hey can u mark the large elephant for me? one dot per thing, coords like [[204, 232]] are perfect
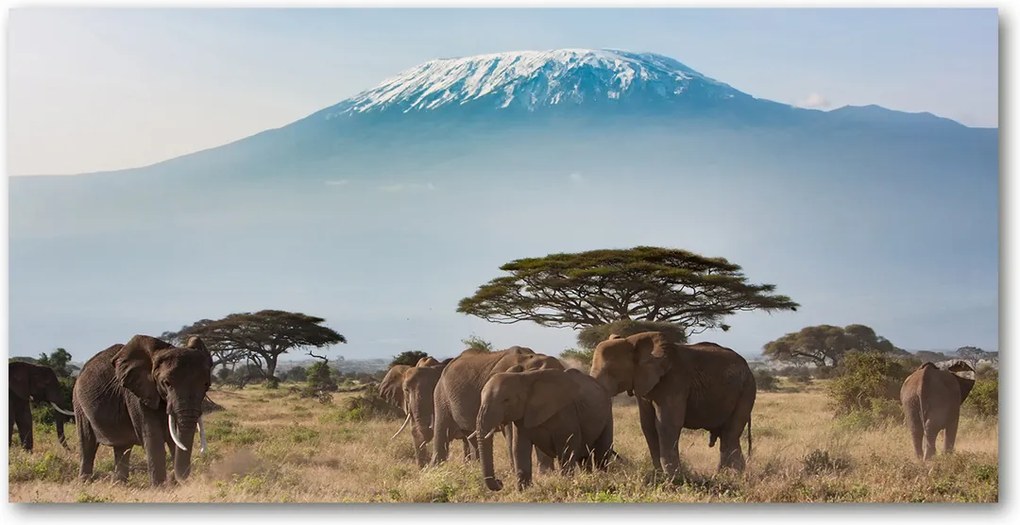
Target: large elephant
[[458, 394], [931, 400], [564, 414], [678, 386], [418, 392], [146, 392], [26, 382]]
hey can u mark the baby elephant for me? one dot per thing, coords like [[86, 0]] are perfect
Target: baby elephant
[[931, 401], [563, 413]]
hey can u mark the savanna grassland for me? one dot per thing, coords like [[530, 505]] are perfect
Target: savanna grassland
[[274, 446]]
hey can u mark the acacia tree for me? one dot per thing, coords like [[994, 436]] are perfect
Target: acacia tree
[[599, 287], [260, 337], [826, 345]]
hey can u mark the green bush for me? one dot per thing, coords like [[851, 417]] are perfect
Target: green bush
[[983, 400], [765, 381], [862, 378]]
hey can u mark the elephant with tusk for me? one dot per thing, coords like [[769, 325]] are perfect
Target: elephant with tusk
[[27, 381], [146, 392], [418, 389]]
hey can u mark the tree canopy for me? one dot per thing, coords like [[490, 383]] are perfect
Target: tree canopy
[[260, 337], [59, 360], [409, 358], [599, 287], [826, 345]]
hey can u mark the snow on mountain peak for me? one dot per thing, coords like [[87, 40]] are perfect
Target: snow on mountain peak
[[532, 79]]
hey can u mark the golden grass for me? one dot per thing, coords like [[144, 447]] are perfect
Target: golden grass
[[272, 446]]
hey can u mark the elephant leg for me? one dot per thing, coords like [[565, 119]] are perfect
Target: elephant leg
[[730, 455], [668, 423], [59, 423], [651, 432], [121, 462], [916, 434], [603, 449], [522, 459], [930, 434], [23, 418], [508, 434], [89, 446], [154, 441], [441, 437], [949, 441], [545, 462]]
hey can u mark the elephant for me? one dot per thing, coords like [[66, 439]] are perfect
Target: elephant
[[931, 400], [28, 381], [458, 394], [696, 386], [146, 392], [391, 387], [564, 414], [418, 391]]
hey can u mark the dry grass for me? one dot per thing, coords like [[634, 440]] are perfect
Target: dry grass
[[272, 446]]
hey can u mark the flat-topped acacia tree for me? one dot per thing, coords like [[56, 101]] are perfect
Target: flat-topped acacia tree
[[259, 336], [599, 287]]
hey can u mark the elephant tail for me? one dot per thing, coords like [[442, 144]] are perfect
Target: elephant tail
[[748, 437]]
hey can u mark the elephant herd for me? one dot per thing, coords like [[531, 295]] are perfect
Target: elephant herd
[[566, 416], [148, 392]]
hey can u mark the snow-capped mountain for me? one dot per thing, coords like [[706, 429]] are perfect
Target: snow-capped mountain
[[529, 80]]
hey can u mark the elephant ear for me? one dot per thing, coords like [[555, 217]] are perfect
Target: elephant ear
[[196, 343], [651, 361], [133, 368], [18, 380], [966, 385], [551, 391]]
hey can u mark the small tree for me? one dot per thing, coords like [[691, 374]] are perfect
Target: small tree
[[864, 377], [826, 345], [59, 360], [261, 337], [320, 378], [296, 374], [409, 358], [477, 343]]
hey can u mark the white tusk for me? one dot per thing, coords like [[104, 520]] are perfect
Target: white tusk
[[406, 420], [201, 436], [489, 435], [173, 432], [61, 410], [472, 435]]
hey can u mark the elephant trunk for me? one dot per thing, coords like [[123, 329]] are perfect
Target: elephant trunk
[[487, 422], [182, 428]]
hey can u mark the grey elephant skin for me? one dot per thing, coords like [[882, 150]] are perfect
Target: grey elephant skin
[[565, 414], [391, 386], [459, 392], [931, 400], [130, 394], [28, 381], [419, 387], [695, 386]]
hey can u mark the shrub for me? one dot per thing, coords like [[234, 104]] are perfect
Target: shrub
[[862, 378], [320, 378], [823, 372], [820, 461], [983, 400], [409, 358], [765, 380]]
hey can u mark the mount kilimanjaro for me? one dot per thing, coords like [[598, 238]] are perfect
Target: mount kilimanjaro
[[383, 210]]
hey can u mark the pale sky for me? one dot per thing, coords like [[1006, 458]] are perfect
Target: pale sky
[[101, 89]]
